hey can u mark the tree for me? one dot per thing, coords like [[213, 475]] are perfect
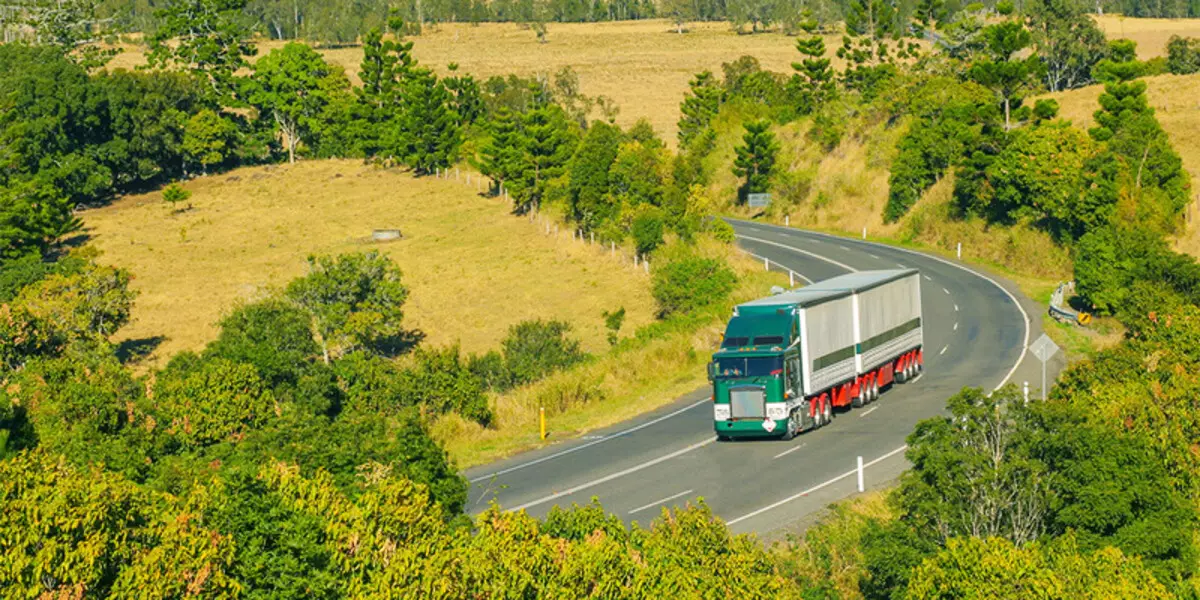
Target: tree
[[293, 84], [814, 81], [874, 19], [86, 306], [431, 126], [680, 12], [549, 143], [589, 202], [70, 26], [534, 349], [273, 335], [355, 301], [205, 37], [207, 138], [501, 157], [174, 194], [202, 402], [972, 474], [384, 71], [1008, 77], [754, 12], [699, 107], [1183, 55], [756, 159], [1068, 41], [440, 382], [690, 283]]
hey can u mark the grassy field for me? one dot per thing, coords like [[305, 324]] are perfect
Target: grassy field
[[1151, 35], [644, 66], [472, 269]]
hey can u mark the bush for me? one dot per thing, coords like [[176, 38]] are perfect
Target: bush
[[691, 283], [535, 349], [648, 230], [722, 231], [273, 335], [174, 194], [440, 381], [206, 401], [1183, 55]]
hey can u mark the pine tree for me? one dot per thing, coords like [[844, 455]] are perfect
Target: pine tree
[[384, 69], [756, 158], [1009, 77], [589, 182], [699, 108], [547, 144], [814, 81], [929, 12], [431, 126], [503, 153]]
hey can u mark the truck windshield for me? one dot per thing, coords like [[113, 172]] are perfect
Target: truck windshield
[[750, 366]]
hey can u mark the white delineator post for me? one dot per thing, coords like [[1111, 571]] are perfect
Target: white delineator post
[[791, 279], [787, 220], [864, 233], [958, 251], [860, 475], [646, 265], [1025, 389], [766, 265]]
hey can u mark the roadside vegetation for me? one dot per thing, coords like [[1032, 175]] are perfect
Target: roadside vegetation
[[304, 437]]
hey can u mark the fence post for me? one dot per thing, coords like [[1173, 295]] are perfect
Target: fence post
[[860, 475]]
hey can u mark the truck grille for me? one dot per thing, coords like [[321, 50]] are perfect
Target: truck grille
[[747, 403]]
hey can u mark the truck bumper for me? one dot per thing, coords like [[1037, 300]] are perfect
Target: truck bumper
[[749, 428]]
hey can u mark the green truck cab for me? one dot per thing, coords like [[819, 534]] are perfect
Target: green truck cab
[[757, 373]]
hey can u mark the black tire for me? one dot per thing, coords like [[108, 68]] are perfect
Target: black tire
[[722, 438], [828, 412], [857, 401], [790, 431]]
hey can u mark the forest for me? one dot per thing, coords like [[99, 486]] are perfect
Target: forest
[[291, 456]]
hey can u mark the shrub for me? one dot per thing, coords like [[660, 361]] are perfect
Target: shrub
[[1183, 55], [648, 230], [174, 194], [206, 401], [690, 283], [722, 231], [534, 349], [440, 381], [273, 335]]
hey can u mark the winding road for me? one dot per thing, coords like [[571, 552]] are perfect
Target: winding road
[[977, 327]]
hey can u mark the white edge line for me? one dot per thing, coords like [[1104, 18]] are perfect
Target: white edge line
[[955, 308], [927, 278], [660, 502], [814, 488], [956, 326], [587, 445], [869, 410], [946, 290], [789, 451], [944, 348], [799, 251], [1015, 301], [610, 477]]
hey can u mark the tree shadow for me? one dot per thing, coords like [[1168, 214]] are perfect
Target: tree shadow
[[132, 351], [398, 345]]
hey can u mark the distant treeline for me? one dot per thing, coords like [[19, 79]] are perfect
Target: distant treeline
[[343, 22]]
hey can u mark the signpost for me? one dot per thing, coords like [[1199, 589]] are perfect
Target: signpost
[[760, 200], [1043, 348]]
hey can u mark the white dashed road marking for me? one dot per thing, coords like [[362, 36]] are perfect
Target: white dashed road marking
[[946, 290], [787, 452], [660, 502], [870, 410], [943, 350]]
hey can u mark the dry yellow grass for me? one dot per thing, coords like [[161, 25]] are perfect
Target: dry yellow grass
[[1151, 35], [642, 65], [473, 270], [1176, 102]]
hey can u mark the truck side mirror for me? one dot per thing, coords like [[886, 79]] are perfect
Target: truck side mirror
[[712, 371]]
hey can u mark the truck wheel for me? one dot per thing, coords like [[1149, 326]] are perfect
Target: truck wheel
[[874, 390], [792, 427], [858, 401], [828, 412]]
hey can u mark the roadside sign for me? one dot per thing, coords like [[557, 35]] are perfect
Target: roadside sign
[[759, 200], [1043, 348]]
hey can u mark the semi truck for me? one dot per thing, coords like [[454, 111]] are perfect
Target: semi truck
[[787, 360]]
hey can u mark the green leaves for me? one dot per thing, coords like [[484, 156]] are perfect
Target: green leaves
[[356, 301], [756, 158], [690, 283], [204, 37], [206, 401], [293, 86]]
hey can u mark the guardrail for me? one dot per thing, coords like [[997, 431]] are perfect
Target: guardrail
[[1059, 309]]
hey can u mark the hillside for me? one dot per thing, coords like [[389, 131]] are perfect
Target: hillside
[[250, 229]]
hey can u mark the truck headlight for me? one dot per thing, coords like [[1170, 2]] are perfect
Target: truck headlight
[[721, 412]]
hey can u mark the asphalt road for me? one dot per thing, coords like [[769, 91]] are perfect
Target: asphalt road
[[976, 329]]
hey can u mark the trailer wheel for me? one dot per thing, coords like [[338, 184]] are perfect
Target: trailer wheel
[[828, 412], [859, 400], [874, 390]]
